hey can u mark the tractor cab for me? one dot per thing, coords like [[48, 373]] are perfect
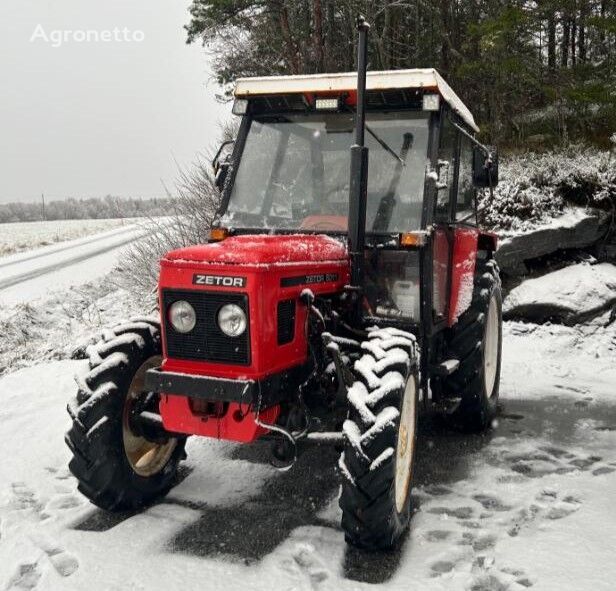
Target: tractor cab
[[346, 285], [289, 173]]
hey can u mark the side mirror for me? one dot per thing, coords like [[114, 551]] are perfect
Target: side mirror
[[221, 170], [485, 168], [221, 164]]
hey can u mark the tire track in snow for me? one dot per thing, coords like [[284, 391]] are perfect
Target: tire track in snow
[[86, 241], [33, 274]]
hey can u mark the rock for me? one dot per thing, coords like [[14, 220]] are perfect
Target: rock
[[568, 296], [576, 228]]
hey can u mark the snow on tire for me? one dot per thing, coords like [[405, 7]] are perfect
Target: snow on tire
[[108, 458], [476, 340], [377, 461]]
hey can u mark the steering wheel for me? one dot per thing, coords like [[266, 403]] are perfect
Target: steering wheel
[[325, 223]]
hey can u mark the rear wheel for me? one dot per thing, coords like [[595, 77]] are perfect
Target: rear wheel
[[380, 436], [119, 463], [476, 341]]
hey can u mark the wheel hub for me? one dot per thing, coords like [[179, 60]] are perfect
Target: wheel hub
[[405, 445], [491, 346], [403, 441], [145, 457]]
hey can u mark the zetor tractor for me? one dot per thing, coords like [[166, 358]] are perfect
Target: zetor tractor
[[345, 284]]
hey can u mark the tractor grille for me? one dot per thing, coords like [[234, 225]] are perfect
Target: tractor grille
[[286, 321], [206, 342]]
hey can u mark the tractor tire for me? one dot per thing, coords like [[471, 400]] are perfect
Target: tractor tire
[[380, 436], [476, 341], [116, 468]]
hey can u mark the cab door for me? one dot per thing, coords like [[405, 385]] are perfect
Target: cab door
[[455, 230], [442, 237], [465, 234]]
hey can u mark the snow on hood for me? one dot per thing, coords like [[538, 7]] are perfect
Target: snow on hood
[[264, 250]]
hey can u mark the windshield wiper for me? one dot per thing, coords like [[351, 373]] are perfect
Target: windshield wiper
[[382, 142], [384, 145]]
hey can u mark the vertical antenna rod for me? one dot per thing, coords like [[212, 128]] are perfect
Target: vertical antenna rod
[[358, 185]]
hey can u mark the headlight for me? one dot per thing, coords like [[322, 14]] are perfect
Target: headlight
[[182, 316], [232, 320]]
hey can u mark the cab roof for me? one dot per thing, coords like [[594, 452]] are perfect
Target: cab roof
[[419, 78]]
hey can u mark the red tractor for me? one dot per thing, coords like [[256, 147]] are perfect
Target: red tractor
[[326, 307]]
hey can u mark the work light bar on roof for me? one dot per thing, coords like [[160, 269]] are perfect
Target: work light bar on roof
[[426, 80]]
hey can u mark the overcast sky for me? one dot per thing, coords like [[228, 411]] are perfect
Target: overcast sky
[[108, 116]]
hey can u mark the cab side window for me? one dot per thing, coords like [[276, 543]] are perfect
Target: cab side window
[[465, 204], [447, 165]]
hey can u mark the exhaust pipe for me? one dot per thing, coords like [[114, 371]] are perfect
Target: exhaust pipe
[[358, 185]]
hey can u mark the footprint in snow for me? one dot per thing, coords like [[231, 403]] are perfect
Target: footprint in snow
[[63, 562], [557, 452], [25, 578], [483, 543], [441, 567], [310, 565], [479, 543], [603, 470], [457, 512], [437, 490], [492, 579], [502, 581], [548, 506], [584, 463], [24, 499], [489, 582], [562, 509], [491, 503], [548, 460], [438, 535], [62, 502]]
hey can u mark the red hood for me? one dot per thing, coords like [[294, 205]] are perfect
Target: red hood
[[263, 250]]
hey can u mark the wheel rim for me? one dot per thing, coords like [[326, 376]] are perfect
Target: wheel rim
[[146, 458], [491, 345], [406, 445]]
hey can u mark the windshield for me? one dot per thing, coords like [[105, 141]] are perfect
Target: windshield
[[294, 172]]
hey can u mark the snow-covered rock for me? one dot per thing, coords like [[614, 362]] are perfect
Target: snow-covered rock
[[574, 228], [569, 296]]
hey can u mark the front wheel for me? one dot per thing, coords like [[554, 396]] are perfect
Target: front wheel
[[380, 439], [118, 464]]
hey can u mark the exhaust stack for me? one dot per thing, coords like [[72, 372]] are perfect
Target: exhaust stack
[[358, 185]]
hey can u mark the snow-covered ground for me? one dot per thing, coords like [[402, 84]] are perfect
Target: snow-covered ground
[[531, 504], [23, 236]]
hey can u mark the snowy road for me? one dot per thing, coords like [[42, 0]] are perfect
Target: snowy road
[[528, 506], [32, 274]]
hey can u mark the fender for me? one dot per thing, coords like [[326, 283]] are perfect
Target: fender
[[464, 255]]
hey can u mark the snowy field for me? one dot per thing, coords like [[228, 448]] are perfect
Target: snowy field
[[23, 236], [528, 506], [26, 276]]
